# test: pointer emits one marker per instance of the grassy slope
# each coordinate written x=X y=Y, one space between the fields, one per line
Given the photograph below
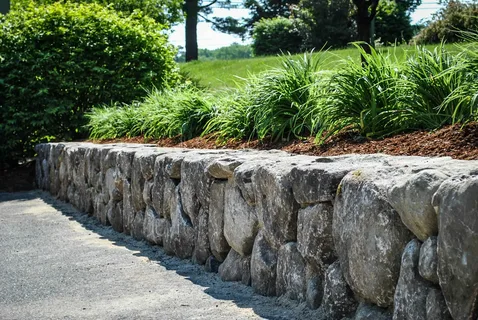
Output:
x=220 y=74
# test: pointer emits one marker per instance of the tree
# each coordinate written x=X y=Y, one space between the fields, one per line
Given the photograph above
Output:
x=165 y=12
x=325 y=23
x=366 y=10
x=259 y=9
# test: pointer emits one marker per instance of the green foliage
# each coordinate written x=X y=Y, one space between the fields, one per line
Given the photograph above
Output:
x=283 y=98
x=393 y=23
x=272 y=36
x=165 y=12
x=182 y=111
x=456 y=16
x=367 y=99
x=325 y=23
x=391 y=92
x=58 y=61
x=233 y=52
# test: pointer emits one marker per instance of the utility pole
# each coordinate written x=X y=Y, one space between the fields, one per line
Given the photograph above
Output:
x=4 y=6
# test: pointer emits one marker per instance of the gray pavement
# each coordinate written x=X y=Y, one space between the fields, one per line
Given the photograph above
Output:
x=56 y=263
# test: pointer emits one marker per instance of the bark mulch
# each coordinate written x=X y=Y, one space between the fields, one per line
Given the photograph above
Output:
x=458 y=142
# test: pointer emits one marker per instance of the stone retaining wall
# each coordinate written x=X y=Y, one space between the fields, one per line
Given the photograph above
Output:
x=360 y=236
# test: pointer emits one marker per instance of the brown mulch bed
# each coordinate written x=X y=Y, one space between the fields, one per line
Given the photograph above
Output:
x=454 y=141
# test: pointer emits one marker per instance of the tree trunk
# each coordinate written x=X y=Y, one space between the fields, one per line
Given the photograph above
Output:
x=191 y=9
x=363 y=27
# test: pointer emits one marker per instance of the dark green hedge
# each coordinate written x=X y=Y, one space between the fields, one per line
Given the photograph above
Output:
x=58 y=61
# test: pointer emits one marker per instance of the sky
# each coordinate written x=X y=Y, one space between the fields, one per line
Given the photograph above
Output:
x=210 y=39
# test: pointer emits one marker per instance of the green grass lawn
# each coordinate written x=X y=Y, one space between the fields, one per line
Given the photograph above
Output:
x=221 y=74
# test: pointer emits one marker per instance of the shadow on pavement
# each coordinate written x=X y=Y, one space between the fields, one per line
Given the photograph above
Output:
x=243 y=296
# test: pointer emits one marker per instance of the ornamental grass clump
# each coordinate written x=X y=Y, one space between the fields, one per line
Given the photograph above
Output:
x=369 y=99
x=284 y=97
x=434 y=75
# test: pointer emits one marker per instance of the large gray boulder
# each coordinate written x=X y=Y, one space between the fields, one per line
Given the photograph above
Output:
x=218 y=243
x=263 y=266
x=236 y=268
x=369 y=236
x=428 y=262
x=457 y=207
x=412 y=291
x=436 y=306
x=367 y=311
x=412 y=196
x=291 y=273
x=202 y=249
x=276 y=207
x=314 y=286
x=338 y=300
x=314 y=234
x=241 y=223
x=182 y=234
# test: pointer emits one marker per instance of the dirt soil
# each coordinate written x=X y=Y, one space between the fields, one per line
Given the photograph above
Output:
x=454 y=141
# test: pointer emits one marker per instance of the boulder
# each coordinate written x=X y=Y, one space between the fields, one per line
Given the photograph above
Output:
x=369 y=236
x=338 y=300
x=436 y=306
x=202 y=249
x=152 y=227
x=427 y=265
x=367 y=311
x=412 y=290
x=223 y=168
x=263 y=266
x=128 y=210
x=457 y=207
x=291 y=273
x=182 y=234
x=212 y=264
x=231 y=268
x=314 y=286
x=240 y=220
x=411 y=196
x=314 y=234
x=276 y=207
x=218 y=243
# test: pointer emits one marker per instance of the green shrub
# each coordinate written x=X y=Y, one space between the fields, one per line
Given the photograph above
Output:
x=456 y=16
x=182 y=111
x=369 y=99
x=276 y=35
x=434 y=75
x=58 y=61
x=283 y=98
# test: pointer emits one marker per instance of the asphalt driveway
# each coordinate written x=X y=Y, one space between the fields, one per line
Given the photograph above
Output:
x=56 y=263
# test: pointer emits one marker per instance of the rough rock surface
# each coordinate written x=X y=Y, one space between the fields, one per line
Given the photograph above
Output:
x=412 y=290
x=428 y=262
x=291 y=273
x=367 y=311
x=276 y=206
x=240 y=220
x=436 y=306
x=338 y=300
x=231 y=268
x=369 y=237
x=218 y=243
x=314 y=286
x=263 y=266
x=314 y=234
x=457 y=207
x=412 y=196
